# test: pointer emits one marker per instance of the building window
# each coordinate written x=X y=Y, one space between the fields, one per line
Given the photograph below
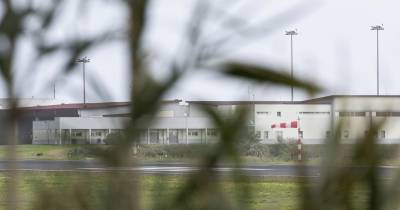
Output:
x=382 y=134
x=278 y=114
x=78 y=134
x=352 y=114
x=193 y=133
x=262 y=113
x=279 y=135
x=211 y=132
x=314 y=113
x=96 y=133
x=265 y=134
x=346 y=134
x=258 y=134
x=388 y=114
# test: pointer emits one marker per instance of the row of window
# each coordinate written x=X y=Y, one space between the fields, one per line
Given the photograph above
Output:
x=352 y=114
x=279 y=114
x=193 y=133
x=210 y=132
x=268 y=113
x=346 y=135
x=263 y=113
x=364 y=114
x=388 y=114
x=382 y=134
x=314 y=113
x=80 y=134
x=341 y=114
x=93 y=133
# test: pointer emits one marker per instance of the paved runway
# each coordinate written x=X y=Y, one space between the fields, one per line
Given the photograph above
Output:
x=168 y=168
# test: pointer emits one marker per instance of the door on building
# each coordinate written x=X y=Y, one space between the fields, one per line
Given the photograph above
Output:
x=279 y=136
x=65 y=136
x=154 y=137
x=173 y=136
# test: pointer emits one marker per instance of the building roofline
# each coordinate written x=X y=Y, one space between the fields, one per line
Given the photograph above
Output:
x=320 y=100
x=86 y=106
x=215 y=103
x=328 y=99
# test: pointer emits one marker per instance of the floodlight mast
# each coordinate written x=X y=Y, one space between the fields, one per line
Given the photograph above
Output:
x=83 y=60
x=377 y=28
x=291 y=34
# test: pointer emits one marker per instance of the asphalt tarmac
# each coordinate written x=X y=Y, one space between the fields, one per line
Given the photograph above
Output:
x=174 y=168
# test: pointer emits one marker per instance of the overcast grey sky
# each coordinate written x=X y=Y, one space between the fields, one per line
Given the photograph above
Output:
x=335 y=48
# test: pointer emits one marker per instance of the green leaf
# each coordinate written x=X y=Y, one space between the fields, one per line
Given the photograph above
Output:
x=268 y=75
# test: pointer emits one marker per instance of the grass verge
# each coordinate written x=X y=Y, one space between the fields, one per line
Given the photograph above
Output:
x=154 y=190
x=270 y=154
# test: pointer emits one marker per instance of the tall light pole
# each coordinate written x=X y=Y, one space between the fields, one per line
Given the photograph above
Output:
x=291 y=34
x=54 y=90
x=83 y=61
x=377 y=28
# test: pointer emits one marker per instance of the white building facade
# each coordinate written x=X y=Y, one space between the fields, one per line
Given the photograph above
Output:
x=312 y=121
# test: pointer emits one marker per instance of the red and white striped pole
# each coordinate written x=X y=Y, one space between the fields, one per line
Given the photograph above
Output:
x=299 y=149
x=299 y=144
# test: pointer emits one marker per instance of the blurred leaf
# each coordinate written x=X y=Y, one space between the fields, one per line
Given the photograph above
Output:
x=49 y=17
x=231 y=129
x=76 y=49
x=253 y=32
x=138 y=9
x=151 y=94
x=97 y=86
x=11 y=23
x=265 y=74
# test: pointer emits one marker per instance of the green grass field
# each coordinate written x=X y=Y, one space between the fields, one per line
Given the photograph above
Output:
x=68 y=190
x=154 y=190
x=43 y=152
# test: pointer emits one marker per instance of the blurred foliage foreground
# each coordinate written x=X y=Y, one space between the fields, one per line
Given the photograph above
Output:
x=31 y=21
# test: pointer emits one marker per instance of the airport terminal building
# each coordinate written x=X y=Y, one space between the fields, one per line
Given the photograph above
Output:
x=179 y=122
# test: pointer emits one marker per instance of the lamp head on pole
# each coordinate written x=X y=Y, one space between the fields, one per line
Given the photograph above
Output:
x=377 y=28
x=83 y=60
x=291 y=33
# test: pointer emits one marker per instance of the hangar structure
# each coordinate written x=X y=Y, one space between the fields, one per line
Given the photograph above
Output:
x=179 y=122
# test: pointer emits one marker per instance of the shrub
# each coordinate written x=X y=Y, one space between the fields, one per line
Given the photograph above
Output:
x=173 y=150
x=77 y=153
x=258 y=150
x=113 y=138
x=249 y=145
